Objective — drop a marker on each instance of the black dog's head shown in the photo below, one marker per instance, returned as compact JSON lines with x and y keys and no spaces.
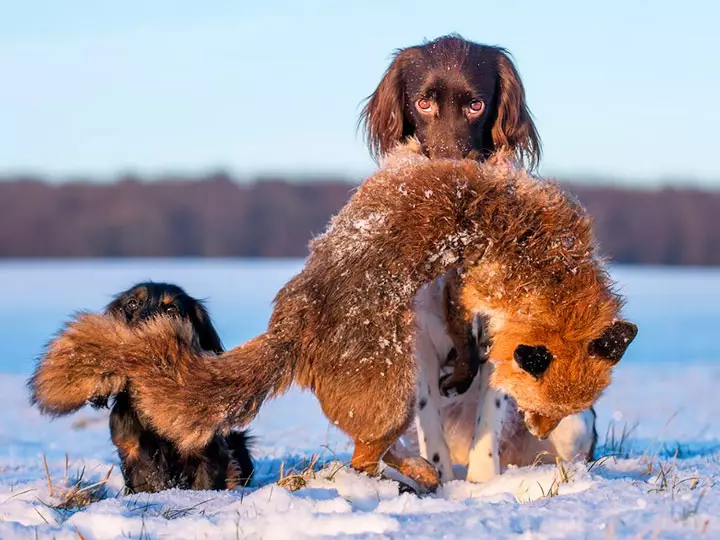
{"x":459,"y":98}
{"x":146,"y":300}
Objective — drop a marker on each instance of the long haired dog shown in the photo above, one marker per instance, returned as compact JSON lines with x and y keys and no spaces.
{"x":459,"y":99}
{"x":344,"y":326}
{"x":150,"y":462}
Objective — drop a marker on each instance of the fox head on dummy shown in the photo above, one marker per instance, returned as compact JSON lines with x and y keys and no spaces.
{"x":554,"y":319}
{"x":553,"y":353}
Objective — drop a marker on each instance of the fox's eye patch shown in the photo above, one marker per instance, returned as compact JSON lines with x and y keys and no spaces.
{"x":535,"y":359}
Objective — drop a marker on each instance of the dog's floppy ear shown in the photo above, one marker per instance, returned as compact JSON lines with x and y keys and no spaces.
{"x":514,"y":128}
{"x":206,"y":334}
{"x":383,"y":116}
{"x":614,"y":341}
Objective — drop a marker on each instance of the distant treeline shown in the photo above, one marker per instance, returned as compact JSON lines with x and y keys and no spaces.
{"x":214,"y":216}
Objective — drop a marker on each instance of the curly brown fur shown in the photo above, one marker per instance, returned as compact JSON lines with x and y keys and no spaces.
{"x":429,"y":92}
{"x":149,"y":462}
{"x":344,"y":326}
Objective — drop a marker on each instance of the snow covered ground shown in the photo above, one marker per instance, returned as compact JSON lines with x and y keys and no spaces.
{"x":662,"y":480}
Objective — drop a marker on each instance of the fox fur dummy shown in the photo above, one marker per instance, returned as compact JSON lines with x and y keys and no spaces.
{"x":344,"y":326}
{"x":148,"y":461}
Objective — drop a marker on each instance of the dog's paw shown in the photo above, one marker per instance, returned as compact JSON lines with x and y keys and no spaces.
{"x":451,"y":387}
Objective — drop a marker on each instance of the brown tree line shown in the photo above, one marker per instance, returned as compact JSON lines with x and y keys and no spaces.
{"x":214,"y":216}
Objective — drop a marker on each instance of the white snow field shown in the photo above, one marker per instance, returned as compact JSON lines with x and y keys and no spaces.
{"x":657,"y":476}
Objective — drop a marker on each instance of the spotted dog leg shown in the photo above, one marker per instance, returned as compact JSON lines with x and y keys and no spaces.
{"x":484,"y":456}
{"x":431,"y":437}
{"x":575,"y":436}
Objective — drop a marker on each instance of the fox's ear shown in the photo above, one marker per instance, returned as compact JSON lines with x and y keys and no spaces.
{"x":614,"y":341}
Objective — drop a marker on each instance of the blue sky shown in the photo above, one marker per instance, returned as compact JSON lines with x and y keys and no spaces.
{"x":618,"y":88}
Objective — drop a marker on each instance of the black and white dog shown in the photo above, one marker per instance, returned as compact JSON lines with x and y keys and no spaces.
{"x":482,"y":428}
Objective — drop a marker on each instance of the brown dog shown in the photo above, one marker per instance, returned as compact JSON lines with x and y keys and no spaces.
{"x":344,"y":326}
{"x":459,"y":99}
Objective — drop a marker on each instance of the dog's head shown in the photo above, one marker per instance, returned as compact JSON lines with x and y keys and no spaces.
{"x":147,"y":300}
{"x":460,"y":99}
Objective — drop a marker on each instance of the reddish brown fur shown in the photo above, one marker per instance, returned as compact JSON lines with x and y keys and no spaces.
{"x":62,"y":384}
{"x":344,"y":326}
{"x":148,"y":462}
{"x":467,"y":360}
{"x":127,"y":448}
{"x":452,"y":72}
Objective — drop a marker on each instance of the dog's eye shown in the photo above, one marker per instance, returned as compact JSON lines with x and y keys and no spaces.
{"x":424,"y":105}
{"x":171,"y":309}
{"x":131,"y":305}
{"x":476,"y":107}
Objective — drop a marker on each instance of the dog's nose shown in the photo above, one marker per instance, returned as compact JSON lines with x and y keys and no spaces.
{"x":146,"y":314}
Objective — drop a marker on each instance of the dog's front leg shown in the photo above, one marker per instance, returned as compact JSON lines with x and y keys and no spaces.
{"x":484,"y":456}
{"x":430,"y":434}
{"x":575,"y":437}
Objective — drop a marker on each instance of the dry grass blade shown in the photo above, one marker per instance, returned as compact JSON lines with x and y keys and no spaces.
{"x":617,"y":445}
{"x":18,"y":494}
{"x":47,"y":476}
{"x":298,"y":480}
{"x":174,"y":513}
{"x":341,"y":466}
{"x":539,"y":459}
{"x":599,"y":462}
{"x":41,"y":516}
{"x":564,"y":475}
{"x":78,"y":495}
{"x":552,"y":491}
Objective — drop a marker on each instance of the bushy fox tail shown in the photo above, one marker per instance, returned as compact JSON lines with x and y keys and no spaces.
{"x":74,"y":369}
{"x":186,"y":394}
